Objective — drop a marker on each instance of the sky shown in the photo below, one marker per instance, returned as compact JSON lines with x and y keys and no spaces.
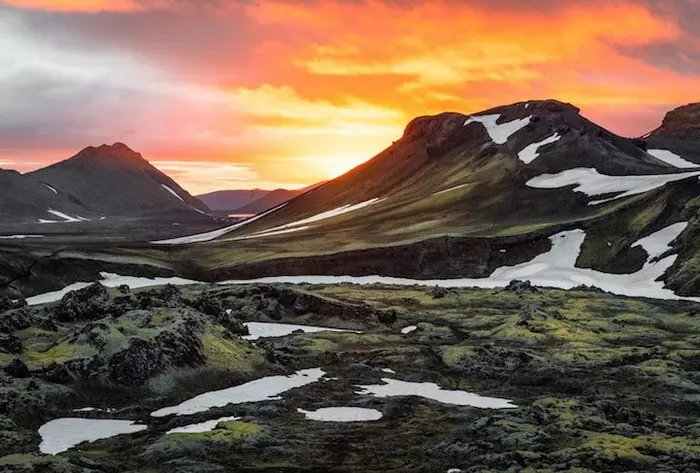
{"x":224,"y":94}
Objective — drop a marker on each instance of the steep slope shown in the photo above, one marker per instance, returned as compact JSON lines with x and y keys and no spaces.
{"x":116,"y":181}
{"x":270,"y":200}
{"x":230,"y":200}
{"x":679,"y":134}
{"x":25,"y":200}
{"x":463,"y":195}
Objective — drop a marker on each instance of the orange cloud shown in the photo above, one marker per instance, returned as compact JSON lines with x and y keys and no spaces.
{"x":89,"y":6}
{"x":305,"y":89}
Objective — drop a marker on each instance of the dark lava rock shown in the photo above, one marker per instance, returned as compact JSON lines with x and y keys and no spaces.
{"x":89,"y":303}
{"x":16,"y":319}
{"x":166,"y":296}
{"x":17,"y":369}
{"x":10,"y":344}
{"x":520,"y":287}
{"x":438,"y":292}
{"x":133,"y":366}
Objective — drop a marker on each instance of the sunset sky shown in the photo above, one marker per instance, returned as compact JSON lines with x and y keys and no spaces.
{"x":283,"y":93}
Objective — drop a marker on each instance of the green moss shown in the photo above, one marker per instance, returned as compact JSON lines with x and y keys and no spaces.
{"x":232,"y":353}
{"x":59,"y":353}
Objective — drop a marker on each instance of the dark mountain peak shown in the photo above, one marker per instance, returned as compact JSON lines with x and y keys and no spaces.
{"x":434,"y":126}
{"x":117,"y":154}
{"x":685,"y":119}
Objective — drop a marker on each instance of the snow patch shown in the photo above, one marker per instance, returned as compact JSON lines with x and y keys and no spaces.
{"x":271,"y":330}
{"x":499,"y":133}
{"x":394,"y":387}
{"x":671,"y":158}
{"x":342,"y":414}
{"x":531,"y":152}
{"x":556,"y":268}
{"x":172,"y":192}
{"x":202,"y":427}
{"x":52,"y":189}
{"x":60,"y":435}
{"x":388,"y":370}
{"x":409,"y":329}
{"x":212,"y":235}
{"x":263,"y":389}
{"x":109,"y":280}
{"x":592,"y":183}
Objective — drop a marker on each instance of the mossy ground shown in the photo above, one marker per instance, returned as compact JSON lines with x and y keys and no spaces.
{"x":603,"y":383}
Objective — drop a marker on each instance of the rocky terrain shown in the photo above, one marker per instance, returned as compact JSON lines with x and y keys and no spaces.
{"x":594,"y":382}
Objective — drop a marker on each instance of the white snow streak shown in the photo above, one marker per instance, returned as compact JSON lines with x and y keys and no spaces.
{"x":531,"y":152}
{"x":52,"y":189}
{"x":20,"y":237}
{"x":499,"y":133}
{"x":450,"y":189}
{"x":173,"y":193}
{"x":592,"y":183}
{"x":324,"y":215}
{"x":671,"y":158}
{"x":212,"y":235}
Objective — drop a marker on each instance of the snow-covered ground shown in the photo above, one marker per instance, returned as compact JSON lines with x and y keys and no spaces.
{"x":214,"y":234}
{"x":207,"y":426}
{"x":499,"y":133}
{"x":671,"y":158}
{"x":263,"y":389}
{"x":556,"y":268}
{"x":60,"y":435}
{"x":109,"y":280}
{"x":342,"y":414}
{"x":394,"y":387}
{"x":172,"y":192}
{"x":270,"y":330}
{"x":592,"y":183}
{"x":531,"y":152}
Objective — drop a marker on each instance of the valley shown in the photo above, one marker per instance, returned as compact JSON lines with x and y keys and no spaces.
{"x":510,"y":291}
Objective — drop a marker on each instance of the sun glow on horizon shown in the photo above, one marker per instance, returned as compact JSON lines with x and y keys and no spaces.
{"x":287,"y":93}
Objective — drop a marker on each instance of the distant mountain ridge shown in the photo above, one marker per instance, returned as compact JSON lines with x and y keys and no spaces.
{"x":250,"y":201}
{"x":105,"y":181}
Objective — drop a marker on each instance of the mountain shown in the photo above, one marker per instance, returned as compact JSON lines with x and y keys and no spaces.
{"x":105,"y":181}
{"x":463,"y":195}
{"x":269,"y":200}
{"x":251,"y":201}
{"x":679,"y":133}
{"x":231,"y":200}
{"x":116,"y":181}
